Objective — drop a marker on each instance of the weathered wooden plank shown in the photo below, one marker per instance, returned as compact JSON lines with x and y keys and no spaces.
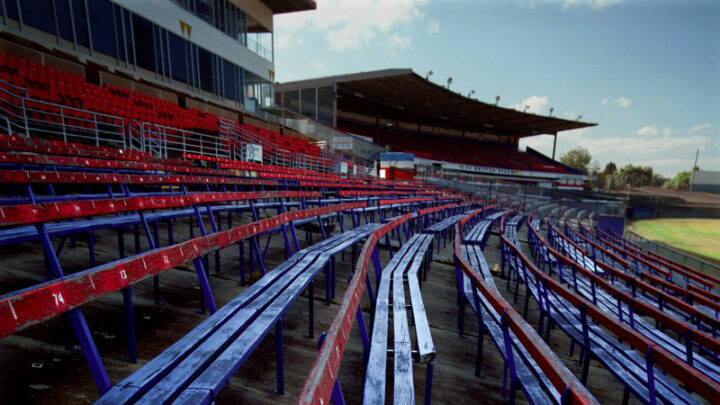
{"x":46,"y":212}
{"x":24,"y":177}
{"x":403,"y":391}
{"x":39,"y":303}
{"x":426,"y":348}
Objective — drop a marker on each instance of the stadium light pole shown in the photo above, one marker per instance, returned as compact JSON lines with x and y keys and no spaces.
{"x":471,"y":93}
{"x":551,"y":111}
{"x":526,"y":108}
{"x":449,"y":81}
{"x":497,"y":100}
{"x":428,"y":74}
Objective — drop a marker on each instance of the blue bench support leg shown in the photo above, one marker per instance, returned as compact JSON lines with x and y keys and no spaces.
{"x":332,"y":277}
{"x":585,"y":355}
{"x":153,"y":245}
{"x":510,"y":360}
{"x":336,"y":396}
{"x":363,"y":337}
{"x":428,"y":384}
{"x":279,"y":359}
{"x":650,"y":376}
{"x":311,"y":310}
{"x":327,"y":284}
{"x":481,"y":334}
{"x":77,"y":320}
{"x":241,"y":251}
{"x":207,"y":297}
{"x":129,"y":325}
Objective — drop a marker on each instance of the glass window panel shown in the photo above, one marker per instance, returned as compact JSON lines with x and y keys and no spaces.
{"x":307,"y":107}
{"x":325,"y":104}
{"x":291,"y":100}
{"x":178,"y":58}
{"x":102,"y":27}
{"x":229,"y":80}
{"x":205,"y":69}
{"x":80,"y":19}
{"x":11,"y":8}
{"x":64,"y":21}
{"x":38,"y":14}
{"x":144,"y":43}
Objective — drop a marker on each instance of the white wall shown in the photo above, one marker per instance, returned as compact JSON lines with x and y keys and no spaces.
{"x":168,"y":15}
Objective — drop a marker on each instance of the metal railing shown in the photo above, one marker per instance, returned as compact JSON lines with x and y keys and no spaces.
{"x":24,"y":115}
{"x":672,"y":253}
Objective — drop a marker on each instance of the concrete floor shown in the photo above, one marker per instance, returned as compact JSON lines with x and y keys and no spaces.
{"x":37,"y":368}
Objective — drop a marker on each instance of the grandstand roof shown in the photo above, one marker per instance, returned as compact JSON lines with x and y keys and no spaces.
{"x":289,"y":6}
{"x":406,"y":96}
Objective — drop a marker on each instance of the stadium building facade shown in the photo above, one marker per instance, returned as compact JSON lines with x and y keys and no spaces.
{"x":215,"y":50}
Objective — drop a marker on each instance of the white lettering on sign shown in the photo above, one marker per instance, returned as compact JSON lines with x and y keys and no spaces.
{"x":123,"y":275}
{"x":342,"y":142}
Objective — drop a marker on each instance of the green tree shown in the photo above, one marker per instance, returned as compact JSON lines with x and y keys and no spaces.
{"x":635,"y":176}
{"x":681,"y":181}
{"x":578,"y":158}
{"x":610,"y":168}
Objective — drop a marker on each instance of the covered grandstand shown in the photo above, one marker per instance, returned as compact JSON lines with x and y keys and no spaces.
{"x":405,"y":112}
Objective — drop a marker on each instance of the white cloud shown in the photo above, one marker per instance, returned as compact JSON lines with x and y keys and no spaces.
{"x":632,"y":146}
{"x":349,"y":24}
{"x":433,"y":28}
{"x":535,"y":104}
{"x":566,"y":4}
{"x":623,"y":101}
{"x":667,"y":131}
{"x":700,"y":127}
{"x":606,"y":100}
{"x":648,"y":130}
{"x":397,"y":42}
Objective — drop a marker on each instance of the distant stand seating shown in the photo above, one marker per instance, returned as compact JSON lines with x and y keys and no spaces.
{"x":455,"y":150}
{"x":51,"y":90}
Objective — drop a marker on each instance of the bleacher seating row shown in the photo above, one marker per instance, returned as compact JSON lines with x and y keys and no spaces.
{"x":605,"y":302}
{"x":57,"y":102}
{"x":50,"y":214}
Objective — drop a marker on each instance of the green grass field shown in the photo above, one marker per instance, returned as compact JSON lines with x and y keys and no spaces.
{"x":700,"y":237}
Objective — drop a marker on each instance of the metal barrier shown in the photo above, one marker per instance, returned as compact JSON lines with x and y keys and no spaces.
{"x":672,"y":253}
{"x":26,"y":115}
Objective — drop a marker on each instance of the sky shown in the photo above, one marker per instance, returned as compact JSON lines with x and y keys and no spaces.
{"x":646,"y":71}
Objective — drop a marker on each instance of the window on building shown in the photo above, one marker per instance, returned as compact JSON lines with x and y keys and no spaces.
{"x":178,"y":58}
{"x":64,"y":19}
{"x":229,"y":80}
{"x":205,"y":70}
{"x":102,"y":27}
{"x":144,"y":43}
{"x":325,"y":100}
{"x":307,"y":99}
{"x":39,"y":14}
{"x":80,"y":20}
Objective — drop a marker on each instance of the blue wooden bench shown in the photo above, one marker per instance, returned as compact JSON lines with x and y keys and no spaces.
{"x":523,"y":369}
{"x":195,"y":368}
{"x":406,"y":263}
{"x":628,"y":367}
{"x":479,"y":233}
{"x":442,"y":228}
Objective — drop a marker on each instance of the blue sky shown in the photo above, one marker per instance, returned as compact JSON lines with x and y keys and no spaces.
{"x":648,"y":72}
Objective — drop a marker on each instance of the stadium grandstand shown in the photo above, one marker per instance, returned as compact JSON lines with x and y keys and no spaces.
{"x":177,"y":228}
{"x":449,"y":135}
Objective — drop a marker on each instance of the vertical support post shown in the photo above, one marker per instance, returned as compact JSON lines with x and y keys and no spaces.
{"x":279,"y":360}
